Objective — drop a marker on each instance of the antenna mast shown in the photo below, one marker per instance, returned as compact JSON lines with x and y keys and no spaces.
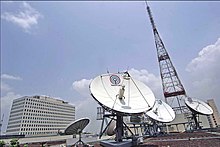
{"x":173,"y":89}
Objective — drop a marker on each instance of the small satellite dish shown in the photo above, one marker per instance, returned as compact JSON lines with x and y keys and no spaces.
{"x":121,"y":93}
{"x":161,"y":112}
{"x":77,"y":126}
{"x":198,"y":106}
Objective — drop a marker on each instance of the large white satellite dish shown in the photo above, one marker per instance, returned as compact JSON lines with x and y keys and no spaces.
{"x":121,"y":93}
{"x":161,"y":112}
{"x":198,"y":106}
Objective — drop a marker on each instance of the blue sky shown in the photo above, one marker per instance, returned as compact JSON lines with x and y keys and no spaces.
{"x":56,"y":48}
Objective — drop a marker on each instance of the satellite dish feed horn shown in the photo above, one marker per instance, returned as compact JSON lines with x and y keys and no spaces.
{"x":120,"y":94}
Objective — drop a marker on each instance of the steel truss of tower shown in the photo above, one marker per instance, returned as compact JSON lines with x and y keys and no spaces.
{"x":173,"y":89}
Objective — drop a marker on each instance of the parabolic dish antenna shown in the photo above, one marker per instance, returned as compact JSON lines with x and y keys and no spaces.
{"x":198,"y":106}
{"x":121,"y":93}
{"x":77,"y":126}
{"x":161,"y":112}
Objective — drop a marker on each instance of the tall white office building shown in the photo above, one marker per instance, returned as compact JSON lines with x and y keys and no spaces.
{"x":39,"y":116}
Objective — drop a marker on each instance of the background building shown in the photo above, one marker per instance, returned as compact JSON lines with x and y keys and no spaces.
{"x":39,"y":116}
{"x":214,"y":119}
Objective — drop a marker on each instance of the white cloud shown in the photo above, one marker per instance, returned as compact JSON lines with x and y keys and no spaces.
{"x":5,"y":87}
{"x":25,"y":18}
{"x":207,"y":58}
{"x":82,"y":87}
{"x":152,"y":81}
{"x":205,"y":73}
{"x":10,"y":77}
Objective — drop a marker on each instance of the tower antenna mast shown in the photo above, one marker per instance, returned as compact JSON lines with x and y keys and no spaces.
{"x":173,"y":89}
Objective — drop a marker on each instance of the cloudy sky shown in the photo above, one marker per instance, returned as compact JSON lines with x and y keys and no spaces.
{"x":57,"y":48}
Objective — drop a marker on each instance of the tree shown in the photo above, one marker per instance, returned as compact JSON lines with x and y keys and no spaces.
{"x":2,"y":143}
{"x":14,"y":143}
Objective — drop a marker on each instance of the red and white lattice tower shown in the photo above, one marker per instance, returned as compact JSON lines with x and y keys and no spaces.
{"x":173,"y":89}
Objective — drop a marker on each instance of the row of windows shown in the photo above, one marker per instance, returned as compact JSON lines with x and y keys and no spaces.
{"x":51,"y":119}
{"x":13,"y":126}
{"x":18,"y":103}
{"x":41,"y":129}
{"x":37,"y":99}
{"x":15,"y":107}
{"x":37,"y":133}
{"x":51,"y":108}
{"x":214,"y":120}
{"x":16,"y":110}
{"x":57,"y":112}
{"x":50,"y":101}
{"x":44,"y":125}
{"x":14,"y":122}
{"x":48,"y":115}
{"x":35,"y":119}
{"x":49,"y":122}
{"x":18,"y":100}
{"x":45,"y":122}
{"x":50,"y":127}
{"x":15,"y":118}
{"x":26,"y":116}
{"x":40,"y":119}
{"x":45,"y":99}
{"x":49,"y":104}
{"x":34,"y":108}
{"x":12,"y":130}
{"x":16,"y":114}
{"x":213,"y":117}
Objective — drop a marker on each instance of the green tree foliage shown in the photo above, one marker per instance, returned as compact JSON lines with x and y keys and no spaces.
{"x":2,"y":143}
{"x":14,"y":143}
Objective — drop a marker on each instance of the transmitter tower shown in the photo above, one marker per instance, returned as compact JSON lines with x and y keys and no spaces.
{"x":173,"y":89}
